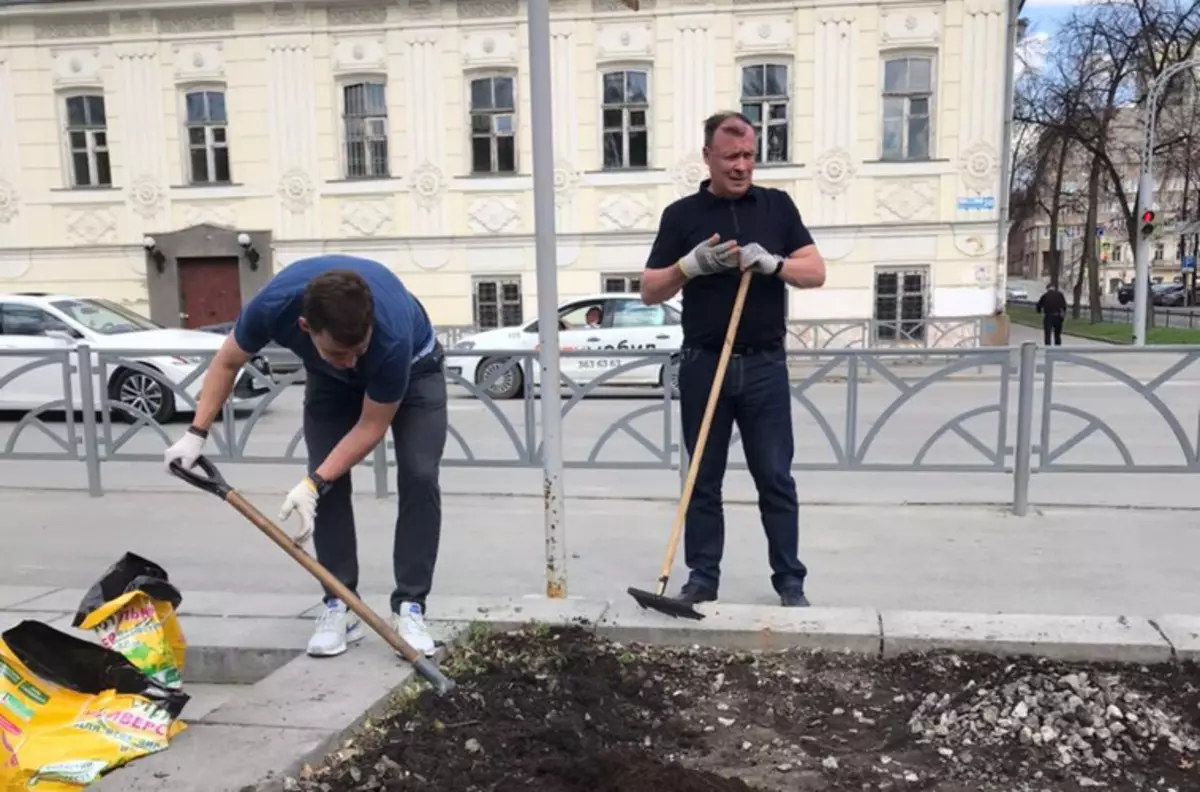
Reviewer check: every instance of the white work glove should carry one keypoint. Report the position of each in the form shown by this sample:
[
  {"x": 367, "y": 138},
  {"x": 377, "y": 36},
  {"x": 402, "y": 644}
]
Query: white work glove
[
  {"x": 709, "y": 257},
  {"x": 756, "y": 258},
  {"x": 303, "y": 501},
  {"x": 186, "y": 450}
]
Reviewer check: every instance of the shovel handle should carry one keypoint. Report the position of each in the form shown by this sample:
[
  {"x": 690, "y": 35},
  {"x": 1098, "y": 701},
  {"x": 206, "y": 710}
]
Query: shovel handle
[{"x": 211, "y": 481}]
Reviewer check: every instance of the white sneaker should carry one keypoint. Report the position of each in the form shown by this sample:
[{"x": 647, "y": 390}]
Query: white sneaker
[
  {"x": 336, "y": 629},
  {"x": 410, "y": 623}
]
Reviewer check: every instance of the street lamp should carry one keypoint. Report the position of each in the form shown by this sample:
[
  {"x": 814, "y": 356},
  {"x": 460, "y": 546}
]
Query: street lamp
[
  {"x": 1141, "y": 251},
  {"x": 545, "y": 254}
]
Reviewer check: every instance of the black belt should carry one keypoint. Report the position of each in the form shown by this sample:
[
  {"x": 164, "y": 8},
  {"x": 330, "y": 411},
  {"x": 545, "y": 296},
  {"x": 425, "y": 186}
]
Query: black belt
[{"x": 742, "y": 350}]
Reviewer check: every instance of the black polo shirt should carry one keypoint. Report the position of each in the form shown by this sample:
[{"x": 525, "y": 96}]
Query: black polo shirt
[{"x": 764, "y": 215}]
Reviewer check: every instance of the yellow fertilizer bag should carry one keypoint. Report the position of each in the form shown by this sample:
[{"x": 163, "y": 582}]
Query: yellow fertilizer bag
[
  {"x": 71, "y": 711},
  {"x": 132, "y": 611}
]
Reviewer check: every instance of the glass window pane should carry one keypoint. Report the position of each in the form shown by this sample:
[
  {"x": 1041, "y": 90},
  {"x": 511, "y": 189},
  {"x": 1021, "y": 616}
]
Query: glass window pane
[
  {"x": 83, "y": 173},
  {"x": 510, "y": 292},
  {"x": 777, "y": 143},
  {"x": 752, "y": 81},
  {"x": 196, "y": 136},
  {"x": 918, "y": 138},
  {"x": 504, "y": 93},
  {"x": 639, "y": 156},
  {"x": 886, "y": 283},
  {"x": 753, "y": 112},
  {"x": 503, "y": 124},
  {"x": 221, "y": 164},
  {"x": 893, "y": 143},
  {"x": 100, "y": 139},
  {"x": 637, "y": 119},
  {"x": 195, "y": 107},
  {"x": 614, "y": 88},
  {"x": 481, "y": 154},
  {"x": 779, "y": 111},
  {"x": 776, "y": 81},
  {"x": 481, "y": 94},
  {"x": 355, "y": 129},
  {"x": 218, "y": 135},
  {"x": 612, "y": 119},
  {"x": 637, "y": 88},
  {"x": 379, "y": 157},
  {"x": 199, "y": 158},
  {"x": 353, "y": 96},
  {"x": 376, "y": 103},
  {"x": 918, "y": 107},
  {"x": 912, "y": 283},
  {"x": 614, "y": 156},
  {"x": 95, "y": 110},
  {"x": 893, "y": 108},
  {"x": 920, "y": 74},
  {"x": 481, "y": 123},
  {"x": 506, "y": 155},
  {"x": 894, "y": 72},
  {"x": 78, "y": 141},
  {"x": 76, "y": 114},
  {"x": 356, "y": 159},
  {"x": 216, "y": 107}
]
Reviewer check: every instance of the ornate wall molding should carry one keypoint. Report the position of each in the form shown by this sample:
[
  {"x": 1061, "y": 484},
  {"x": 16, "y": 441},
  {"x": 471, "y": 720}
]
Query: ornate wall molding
[{"x": 176, "y": 22}]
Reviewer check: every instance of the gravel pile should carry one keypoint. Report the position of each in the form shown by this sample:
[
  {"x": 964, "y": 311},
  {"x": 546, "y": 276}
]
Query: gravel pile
[{"x": 1082, "y": 721}]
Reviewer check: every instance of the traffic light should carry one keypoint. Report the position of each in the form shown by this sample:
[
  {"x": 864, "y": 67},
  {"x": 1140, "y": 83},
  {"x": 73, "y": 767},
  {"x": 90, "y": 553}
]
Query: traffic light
[{"x": 1147, "y": 222}]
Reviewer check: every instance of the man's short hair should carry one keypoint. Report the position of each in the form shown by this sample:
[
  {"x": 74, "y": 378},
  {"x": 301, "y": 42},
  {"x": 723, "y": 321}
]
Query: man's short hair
[
  {"x": 339, "y": 303},
  {"x": 718, "y": 120}
]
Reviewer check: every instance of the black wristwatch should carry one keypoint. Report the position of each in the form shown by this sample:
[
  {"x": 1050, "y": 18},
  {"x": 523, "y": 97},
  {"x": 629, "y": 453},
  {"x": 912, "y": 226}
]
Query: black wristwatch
[
  {"x": 321, "y": 484},
  {"x": 196, "y": 430}
]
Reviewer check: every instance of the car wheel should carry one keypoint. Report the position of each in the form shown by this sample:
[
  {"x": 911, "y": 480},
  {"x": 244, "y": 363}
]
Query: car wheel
[
  {"x": 508, "y": 385},
  {"x": 673, "y": 385},
  {"x": 139, "y": 391}
]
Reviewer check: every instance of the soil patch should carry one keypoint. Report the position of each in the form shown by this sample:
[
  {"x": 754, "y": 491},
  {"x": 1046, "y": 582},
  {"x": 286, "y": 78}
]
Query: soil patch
[{"x": 558, "y": 710}]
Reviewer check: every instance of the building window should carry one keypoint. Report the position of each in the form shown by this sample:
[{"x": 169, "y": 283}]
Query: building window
[
  {"x": 616, "y": 284},
  {"x": 907, "y": 100},
  {"x": 497, "y": 302},
  {"x": 765, "y": 103},
  {"x": 901, "y": 303},
  {"x": 493, "y": 125},
  {"x": 626, "y": 107},
  {"x": 207, "y": 137},
  {"x": 87, "y": 141},
  {"x": 365, "y": 116}
]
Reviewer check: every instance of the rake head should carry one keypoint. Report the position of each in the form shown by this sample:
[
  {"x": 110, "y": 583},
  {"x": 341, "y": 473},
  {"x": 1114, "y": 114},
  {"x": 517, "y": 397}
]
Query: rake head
[{"x": 672, "y": 607}]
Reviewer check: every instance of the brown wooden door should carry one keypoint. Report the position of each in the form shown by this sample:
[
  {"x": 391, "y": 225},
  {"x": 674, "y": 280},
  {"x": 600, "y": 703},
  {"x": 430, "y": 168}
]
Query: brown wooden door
[{"x": 209, "y": 292}]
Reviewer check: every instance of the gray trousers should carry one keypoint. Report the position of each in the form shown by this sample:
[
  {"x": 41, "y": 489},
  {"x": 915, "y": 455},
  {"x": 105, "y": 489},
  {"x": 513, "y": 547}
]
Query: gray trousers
[{"x": 331, "y": 408}]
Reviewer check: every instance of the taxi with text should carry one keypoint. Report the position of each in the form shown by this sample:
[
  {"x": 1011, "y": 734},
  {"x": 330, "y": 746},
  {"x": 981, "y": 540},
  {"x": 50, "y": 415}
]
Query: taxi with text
[{"x": 599, "y": 322}]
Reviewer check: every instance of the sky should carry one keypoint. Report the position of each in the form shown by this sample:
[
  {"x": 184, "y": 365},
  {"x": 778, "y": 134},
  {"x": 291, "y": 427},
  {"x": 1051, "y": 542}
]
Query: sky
[{"x": 1044, "y": 18}]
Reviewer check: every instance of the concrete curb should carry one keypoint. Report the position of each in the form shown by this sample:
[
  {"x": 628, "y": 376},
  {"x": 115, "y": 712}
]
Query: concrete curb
[{"x": 300, "y": 712}]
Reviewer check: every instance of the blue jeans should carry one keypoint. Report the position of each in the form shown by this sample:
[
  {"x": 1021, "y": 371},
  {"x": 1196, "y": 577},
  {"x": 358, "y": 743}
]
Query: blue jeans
[{"x": 757, "y": 397}]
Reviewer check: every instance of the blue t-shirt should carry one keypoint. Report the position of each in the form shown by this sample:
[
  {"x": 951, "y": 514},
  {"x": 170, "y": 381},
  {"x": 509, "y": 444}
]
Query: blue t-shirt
[{"x": 402, "y": 331}]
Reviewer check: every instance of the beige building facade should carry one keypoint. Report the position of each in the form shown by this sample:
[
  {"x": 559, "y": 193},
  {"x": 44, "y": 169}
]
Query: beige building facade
[{"x": 173, "y": 157}]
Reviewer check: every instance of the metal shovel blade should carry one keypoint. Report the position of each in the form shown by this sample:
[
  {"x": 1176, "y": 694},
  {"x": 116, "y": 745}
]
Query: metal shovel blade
[{"x": 672, "y": 607}]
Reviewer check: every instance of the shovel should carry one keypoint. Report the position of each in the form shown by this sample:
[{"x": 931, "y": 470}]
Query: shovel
[
  {"x": 658, "y": 600},
  {"x": 212, "y": 482}
]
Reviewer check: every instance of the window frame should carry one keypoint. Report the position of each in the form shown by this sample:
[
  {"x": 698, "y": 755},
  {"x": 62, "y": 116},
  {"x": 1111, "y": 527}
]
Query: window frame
[
  {"x": 470, "y": 78},
  {"x": 500, "y": 280},
  {"x": 626, "y": 108},
  {"x": 886, "y": 57},
  {"x": 626, "y": 277},
  {"x": 91, "y": 149},
  {"x": 896, "y": 328},
  {"x": 765, "y": 101},
  {"x": 341, "y": 85},
  {"x": 210, "y": 145}
]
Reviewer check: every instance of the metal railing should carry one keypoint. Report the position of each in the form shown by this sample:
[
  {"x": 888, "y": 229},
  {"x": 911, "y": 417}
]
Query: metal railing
[
  {"x": 851, "y": 412},
  {"x": 1184, "y": 318}
]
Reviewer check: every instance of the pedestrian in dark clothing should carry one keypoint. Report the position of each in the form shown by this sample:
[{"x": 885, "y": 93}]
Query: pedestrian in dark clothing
[
  {"x": 704, "y": 241},
  {"x": 1052, "y": 305}
]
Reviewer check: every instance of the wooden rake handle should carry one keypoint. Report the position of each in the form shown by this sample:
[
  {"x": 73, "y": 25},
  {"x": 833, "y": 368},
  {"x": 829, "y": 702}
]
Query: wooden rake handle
[{"x": 714, "y": 393}]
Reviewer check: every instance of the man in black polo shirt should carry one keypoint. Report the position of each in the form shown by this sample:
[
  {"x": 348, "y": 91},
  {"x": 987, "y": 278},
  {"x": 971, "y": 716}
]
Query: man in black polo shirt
[{"x": 704, "y": 241}]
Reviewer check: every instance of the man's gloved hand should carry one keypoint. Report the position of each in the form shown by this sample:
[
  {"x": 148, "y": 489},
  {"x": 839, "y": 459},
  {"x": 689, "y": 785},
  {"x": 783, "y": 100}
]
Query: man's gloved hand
[
  {"x": 755, "y": 257},
  {"x": 186, "y": 449},
  {"x": 709, "y": 257},
  {"x": 303, "y": 501}
]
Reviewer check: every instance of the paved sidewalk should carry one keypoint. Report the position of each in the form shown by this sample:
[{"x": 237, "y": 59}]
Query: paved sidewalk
[{"x": 1067, "y": 561}]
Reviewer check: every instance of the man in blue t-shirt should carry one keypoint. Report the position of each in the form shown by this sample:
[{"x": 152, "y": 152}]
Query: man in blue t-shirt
[{"x": 373, "y": 362}]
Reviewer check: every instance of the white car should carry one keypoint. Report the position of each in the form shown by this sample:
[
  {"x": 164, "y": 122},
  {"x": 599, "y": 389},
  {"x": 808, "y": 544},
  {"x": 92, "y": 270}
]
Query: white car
[
  {"x": 56, "y": 322},
  {"x": 600, "y": 321}
]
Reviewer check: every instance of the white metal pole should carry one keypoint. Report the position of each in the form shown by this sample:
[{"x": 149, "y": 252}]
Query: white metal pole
[
  {"x": 542, "y": 125},
  {"x": 1141, "y": 270}
]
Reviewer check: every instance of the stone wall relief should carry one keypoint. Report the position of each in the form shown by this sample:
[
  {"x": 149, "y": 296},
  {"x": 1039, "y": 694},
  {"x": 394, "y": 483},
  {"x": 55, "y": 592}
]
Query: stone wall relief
[
  {"x": 76, "y": 67},
  {"x": 146, "y": 196},
  {"x": 618, "y": 7},
  {"x": 979, "y": 165},
  {"x": 344, "y": 16},
  {"x": 199, "y": 61},
  {"x": 359, "y": 53},
  {"x": 621, "y": 40},
  {"x": 91, "y": 227},
  {"x": 10, "y": 201},
  {"x": 974, "y": 244},
  {"x": 834, "y": 170},
  {"x": 910, "y": 26},
  {"x": 489, "y": 48},
  {"x": 688, "y": 172},
  {"x": 566, "y": 178},
  {"x": 494, "y": 214},
  {"x": 210, "y": 214},
  {"x": 765, "y": 33},
  {"x": 287, "y": 15},
  {"x": 487, "y": 9},
  {"x": 78, "y": 27},
  {"x": 366, "y": 217},
  {"x": 427, "y": 184},
  {"x": 626, "y": 212},
  {"x": 195, "y": 21},
  {"x": 296, "y": 190},
  {"x": 905, "y": 199}
]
